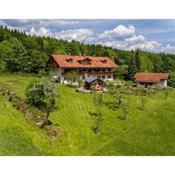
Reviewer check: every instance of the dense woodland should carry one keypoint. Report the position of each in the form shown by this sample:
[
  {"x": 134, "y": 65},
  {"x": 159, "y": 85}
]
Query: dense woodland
[{"x": 22, "y": 53}]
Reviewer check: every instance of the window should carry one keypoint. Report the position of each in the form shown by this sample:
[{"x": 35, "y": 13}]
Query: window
[
  {"x": 103, "y": 77},
  {"x": 85, "y": 61},
  {"x": 83, "y": 70},
  {"x": 109, "y": 77},
  {"x": 103, "y": 70},
  {"x": 70, "y": 60}
]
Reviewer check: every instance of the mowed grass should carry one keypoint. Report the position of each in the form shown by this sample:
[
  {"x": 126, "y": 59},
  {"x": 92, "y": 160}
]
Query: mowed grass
[
  {"x": 146, "y": 132},
  {"x": 18, "y": 136}
]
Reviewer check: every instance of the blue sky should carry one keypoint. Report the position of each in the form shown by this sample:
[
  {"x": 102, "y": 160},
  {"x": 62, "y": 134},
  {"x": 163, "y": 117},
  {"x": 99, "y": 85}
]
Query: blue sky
[{"x": 149, "y": 35}]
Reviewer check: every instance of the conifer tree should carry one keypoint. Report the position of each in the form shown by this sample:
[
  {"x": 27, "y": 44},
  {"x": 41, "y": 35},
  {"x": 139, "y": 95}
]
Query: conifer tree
[
  {"x": 132, "y": 69},
  {"x": 137, "y": 60}
]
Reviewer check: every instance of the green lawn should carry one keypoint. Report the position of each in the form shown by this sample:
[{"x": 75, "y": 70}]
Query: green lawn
[
  {"x": 146, "y": 132},
  {"x": 18, "y": 136}
]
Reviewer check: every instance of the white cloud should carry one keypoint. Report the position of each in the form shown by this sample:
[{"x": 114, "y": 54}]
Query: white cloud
[
  {"x": 121, "y": 37},
  {"x": 168, "y": 49},
  {"x": 135, "y": 39},
  {"x": 126, "y": 38},
  {"x": 119, "y": 32},
  {"x": 42, "y": 31},
  {"x": 46, "y": 22},
  {"x": 67, "y": 22},
  {"x": 57, "y": 22},
  {"x": 81, "y": 34}
]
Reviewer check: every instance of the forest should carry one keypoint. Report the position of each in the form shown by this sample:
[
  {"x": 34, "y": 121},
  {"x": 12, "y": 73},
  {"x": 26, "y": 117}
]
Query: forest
[{"x": 23, "y": 53}]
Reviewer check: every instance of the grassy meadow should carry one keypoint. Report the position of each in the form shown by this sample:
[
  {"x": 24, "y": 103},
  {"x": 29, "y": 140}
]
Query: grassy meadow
[{"x": 148, "y": 131}]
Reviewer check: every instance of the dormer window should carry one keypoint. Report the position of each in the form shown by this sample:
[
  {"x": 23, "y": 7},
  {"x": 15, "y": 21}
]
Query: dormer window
[
  {"x": 70, "y": 60},
  {"x": 104, "y": 61},
  {"x": 85, "y": 61}
]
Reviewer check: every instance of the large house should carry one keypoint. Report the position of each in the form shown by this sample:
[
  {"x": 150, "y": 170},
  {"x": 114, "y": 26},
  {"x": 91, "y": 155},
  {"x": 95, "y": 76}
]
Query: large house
[
  {"x": 64, "y": 66},
  {"x": 151, "y": 79}
]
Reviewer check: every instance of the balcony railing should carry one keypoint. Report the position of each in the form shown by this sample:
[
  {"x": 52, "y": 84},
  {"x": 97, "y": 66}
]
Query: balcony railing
[
  {"x": 52, "y": 65},
  {"x": 89, "y": 74}
]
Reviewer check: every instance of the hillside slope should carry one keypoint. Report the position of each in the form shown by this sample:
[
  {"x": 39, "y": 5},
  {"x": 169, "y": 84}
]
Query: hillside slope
[
  {"x": 146, "y": 132},
  {"x": 18, "y": 136}
]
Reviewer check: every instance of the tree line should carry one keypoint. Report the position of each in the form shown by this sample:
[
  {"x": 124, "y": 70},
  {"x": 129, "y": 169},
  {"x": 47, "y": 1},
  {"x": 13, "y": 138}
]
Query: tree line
[{"x": 23, "y": 53}]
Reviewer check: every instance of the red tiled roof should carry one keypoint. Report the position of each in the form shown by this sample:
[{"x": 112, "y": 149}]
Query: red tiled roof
[
  {"x": 150, "y": 77},
  {"x": 95, "y": 62}
]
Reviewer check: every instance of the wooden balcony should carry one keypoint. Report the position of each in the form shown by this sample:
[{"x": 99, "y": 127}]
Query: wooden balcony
[{"x": 52, "y": 66}]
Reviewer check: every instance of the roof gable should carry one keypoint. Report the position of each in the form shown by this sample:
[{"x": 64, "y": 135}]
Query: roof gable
[{"x": 92, "y": 79}]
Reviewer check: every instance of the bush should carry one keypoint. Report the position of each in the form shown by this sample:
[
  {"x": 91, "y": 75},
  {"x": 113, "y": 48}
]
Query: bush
[{"x": 42, "y": 73}]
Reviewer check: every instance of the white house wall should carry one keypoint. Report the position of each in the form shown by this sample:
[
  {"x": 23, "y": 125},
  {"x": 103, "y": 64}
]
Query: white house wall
[
  {"x": 140, "y": 85},
  {"x": 161, "y": 84},
  {"x": 57, "y": 73}
]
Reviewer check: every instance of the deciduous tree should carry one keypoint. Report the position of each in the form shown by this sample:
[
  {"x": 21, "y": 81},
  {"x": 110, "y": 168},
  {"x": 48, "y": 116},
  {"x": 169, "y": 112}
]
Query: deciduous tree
[{"x": 43, "y": 94}]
